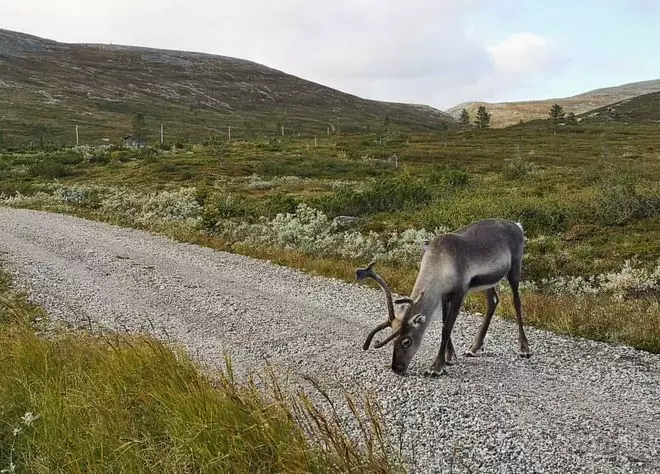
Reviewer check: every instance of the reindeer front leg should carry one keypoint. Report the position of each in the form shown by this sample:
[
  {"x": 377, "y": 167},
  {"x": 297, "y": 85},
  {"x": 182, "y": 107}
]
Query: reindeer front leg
[
  {"x": 453, "y": 306},
  {"x": 450, "y": 353}
]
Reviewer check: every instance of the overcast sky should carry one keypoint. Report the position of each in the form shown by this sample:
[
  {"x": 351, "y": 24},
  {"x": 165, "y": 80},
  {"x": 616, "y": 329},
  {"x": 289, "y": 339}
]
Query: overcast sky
[{"x": 435, "y": 52}]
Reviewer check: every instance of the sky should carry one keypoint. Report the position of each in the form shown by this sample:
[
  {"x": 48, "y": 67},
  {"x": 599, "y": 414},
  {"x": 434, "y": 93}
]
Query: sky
[{"x": 434, "y": 52}]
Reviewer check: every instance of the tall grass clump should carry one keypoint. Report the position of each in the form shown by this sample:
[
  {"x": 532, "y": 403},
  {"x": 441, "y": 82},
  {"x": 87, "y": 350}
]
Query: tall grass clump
[{"x": 75, "y": 402}]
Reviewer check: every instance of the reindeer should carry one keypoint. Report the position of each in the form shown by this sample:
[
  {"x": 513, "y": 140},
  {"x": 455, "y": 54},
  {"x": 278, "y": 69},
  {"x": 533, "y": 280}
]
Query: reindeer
[{"x": 474, "y": 258}]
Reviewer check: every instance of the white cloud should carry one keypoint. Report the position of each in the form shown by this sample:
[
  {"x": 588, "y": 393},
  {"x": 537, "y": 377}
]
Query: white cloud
[
  {"x": 524, "y": 54},
  {"x": 519, "y": 62},
  {"x": 421, "y": 51}
]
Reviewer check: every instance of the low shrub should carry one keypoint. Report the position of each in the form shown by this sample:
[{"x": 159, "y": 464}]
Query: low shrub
[
  {"x": 396, "y": 193},
  {"x": 50, "y": 170}
]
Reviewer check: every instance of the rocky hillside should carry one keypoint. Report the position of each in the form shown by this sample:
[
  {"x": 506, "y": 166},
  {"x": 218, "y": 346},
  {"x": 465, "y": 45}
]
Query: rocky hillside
[
  {"x": 46, "y": 88},
  {"x": 511, "y": 113}
]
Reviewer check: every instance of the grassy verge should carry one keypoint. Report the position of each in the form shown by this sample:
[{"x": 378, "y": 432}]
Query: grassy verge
[{"x": 75, "y": 402}]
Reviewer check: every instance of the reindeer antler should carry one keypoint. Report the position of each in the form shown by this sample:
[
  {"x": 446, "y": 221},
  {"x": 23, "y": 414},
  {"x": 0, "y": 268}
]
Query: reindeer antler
[{"x": 368, "y": 272}]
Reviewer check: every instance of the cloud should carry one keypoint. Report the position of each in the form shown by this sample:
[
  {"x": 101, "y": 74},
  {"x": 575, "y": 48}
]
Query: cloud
[
  {"x": 524, "y": 54},
  {"x": 519, "y": 61},
  {"x": 423, "y": 51}
]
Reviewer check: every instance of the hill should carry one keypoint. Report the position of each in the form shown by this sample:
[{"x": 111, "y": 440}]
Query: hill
[
  {"x": 511, "y": 113},
  {"x": 46, "y": 88},
  {"x": 640, "y": 109}
]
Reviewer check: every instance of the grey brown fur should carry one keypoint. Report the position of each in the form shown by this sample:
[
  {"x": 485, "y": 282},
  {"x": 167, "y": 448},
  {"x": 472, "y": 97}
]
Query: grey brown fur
[{"x": 473, "y": 258}]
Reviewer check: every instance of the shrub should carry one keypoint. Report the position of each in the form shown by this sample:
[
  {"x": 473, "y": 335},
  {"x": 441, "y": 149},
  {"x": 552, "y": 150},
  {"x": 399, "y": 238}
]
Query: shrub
[
  {"x": 541, "y": 220},
  {"x": 100, "y": 158},
  {"x": 280, "y": 203},
  {"x": 46, "y": 169},
  {"x": 164, "y": 206},
  {"x": 390, "y": 194},
  {"x": 451, "y": 176},
  {"x": 310, "y": 231},
  {"x": 79, "y": 195},
  {"x": 627, "y": 283},
  {"x": 620, "y": 203},
  {"x": 517, "y": 168}
]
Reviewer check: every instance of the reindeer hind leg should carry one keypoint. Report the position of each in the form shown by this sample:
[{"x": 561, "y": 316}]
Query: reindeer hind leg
[
  {"x": 523, "y": 345},
  {"x": 492, "y": 301}
]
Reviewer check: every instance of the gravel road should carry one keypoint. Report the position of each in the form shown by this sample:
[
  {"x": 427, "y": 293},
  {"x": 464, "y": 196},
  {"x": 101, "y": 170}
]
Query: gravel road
[{"x": 575, "y": 406}]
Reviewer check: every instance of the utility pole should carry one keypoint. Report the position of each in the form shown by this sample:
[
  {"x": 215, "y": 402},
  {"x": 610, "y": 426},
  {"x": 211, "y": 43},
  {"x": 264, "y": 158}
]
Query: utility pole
[
  {"x": 315, "y": 145},
  {"x": 161, "y": 134},
  {"x": 282, "y": 130},
  {"x": 229, "y": 133},
  {"x": 77, "y": 135}
]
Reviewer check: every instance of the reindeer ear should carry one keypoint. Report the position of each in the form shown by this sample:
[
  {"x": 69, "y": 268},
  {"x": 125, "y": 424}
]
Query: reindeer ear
[{"x": 417, "y": 320}]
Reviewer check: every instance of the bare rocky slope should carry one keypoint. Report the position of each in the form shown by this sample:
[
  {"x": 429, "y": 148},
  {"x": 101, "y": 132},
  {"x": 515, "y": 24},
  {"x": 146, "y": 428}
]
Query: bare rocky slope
[
  {"x": 575, "y": 406},
  {"x": 46, "y": 88},
  {"x": 511, "y": 113}
]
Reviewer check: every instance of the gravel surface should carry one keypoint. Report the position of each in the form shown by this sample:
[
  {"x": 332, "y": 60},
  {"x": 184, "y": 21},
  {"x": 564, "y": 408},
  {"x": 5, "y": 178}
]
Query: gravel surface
[{"x": 575, "y": 406}]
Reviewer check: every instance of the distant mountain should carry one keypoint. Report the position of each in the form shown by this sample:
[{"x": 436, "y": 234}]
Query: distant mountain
[
  {"x": 46, "y": 88},
  {"x": 511, "y": 113}
]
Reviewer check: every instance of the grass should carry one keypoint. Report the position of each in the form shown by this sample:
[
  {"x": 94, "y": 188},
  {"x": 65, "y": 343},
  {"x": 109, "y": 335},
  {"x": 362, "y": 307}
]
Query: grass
[
  {"x": 588, "y": 199},
  {"x": 78, "y": 402}
]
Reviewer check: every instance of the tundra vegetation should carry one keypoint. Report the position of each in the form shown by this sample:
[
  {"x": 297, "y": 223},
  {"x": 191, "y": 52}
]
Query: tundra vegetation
[{"x": 588, "y": 198}]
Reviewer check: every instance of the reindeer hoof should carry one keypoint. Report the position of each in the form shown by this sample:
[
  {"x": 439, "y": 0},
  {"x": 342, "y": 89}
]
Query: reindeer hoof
[
  {"x": 470, "y": 353},
  {"x": 432, "y": 373},
  {"x": 524, "y": 354}
]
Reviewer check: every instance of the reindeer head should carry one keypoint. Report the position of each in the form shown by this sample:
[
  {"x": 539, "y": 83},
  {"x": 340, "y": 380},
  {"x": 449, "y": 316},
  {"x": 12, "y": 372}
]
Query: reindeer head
[{"x": 407, "y": 324}]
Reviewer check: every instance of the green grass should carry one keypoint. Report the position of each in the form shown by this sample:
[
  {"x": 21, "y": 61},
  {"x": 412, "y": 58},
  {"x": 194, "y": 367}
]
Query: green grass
[{"x": 111, "y": 403}]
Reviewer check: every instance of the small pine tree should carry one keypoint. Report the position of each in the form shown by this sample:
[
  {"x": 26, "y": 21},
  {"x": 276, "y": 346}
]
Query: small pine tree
[
  {"x": 465, "y": 117},
  {"x": 138, "y": 125},
  {"x": 571, "y": 119},
  {"x": 556, "y": 115},
  {"x": 483, "y": 117}
]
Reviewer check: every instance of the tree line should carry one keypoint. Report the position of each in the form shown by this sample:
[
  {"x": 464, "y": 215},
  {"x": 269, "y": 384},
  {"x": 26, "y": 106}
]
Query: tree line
[{"x": 557, "y": 116}]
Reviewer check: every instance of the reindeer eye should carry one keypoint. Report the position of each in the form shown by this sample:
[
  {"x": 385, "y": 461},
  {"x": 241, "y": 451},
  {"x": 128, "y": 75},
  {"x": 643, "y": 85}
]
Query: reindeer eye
[{"x": 405, "y": 343}]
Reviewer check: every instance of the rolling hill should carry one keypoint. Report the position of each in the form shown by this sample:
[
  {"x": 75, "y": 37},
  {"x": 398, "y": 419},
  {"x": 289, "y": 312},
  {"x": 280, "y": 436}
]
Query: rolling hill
[
  {"x": 511, "y": 113},
  {"x": 46, "y": 88},
  {"x": 640, "y": 109}
]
